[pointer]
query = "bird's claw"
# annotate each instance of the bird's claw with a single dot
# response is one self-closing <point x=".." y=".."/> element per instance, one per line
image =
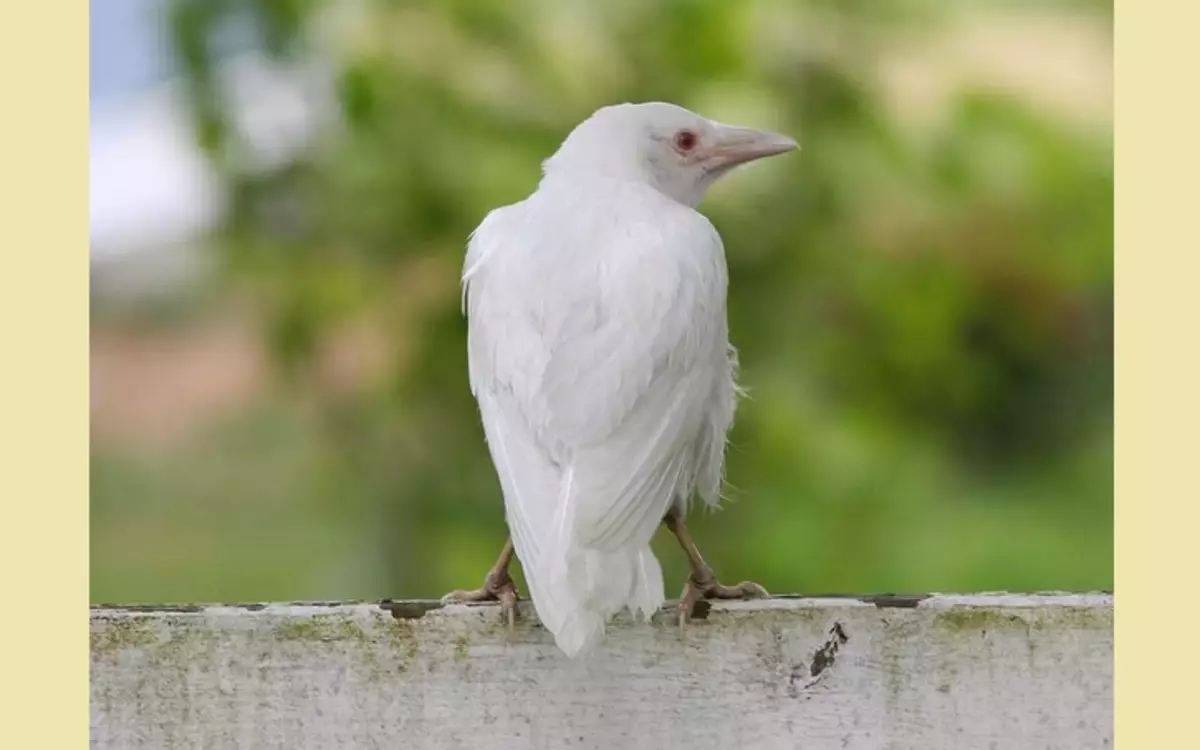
<point x="494" y="589"/>
<point x="694" y="591"/>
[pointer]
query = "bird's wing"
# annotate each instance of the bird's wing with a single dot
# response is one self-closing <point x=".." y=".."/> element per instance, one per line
<point x="630" y="395"/>
<point x="594" y="371"/>
<point x="505" y="357"/>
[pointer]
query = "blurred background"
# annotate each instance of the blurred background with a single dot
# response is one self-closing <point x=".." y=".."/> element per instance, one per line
<point x="281" y="192"/>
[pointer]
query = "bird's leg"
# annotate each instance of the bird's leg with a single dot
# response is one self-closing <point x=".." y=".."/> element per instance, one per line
<point x="702" y="583"/>
<point x="497" y="586"/>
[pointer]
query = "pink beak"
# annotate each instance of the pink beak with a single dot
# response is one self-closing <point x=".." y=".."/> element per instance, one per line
<point x="739" y="145"/>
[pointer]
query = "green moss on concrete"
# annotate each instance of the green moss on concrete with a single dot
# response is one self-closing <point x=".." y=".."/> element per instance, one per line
<point x="461" y="646"/>
<point x="321" y="628"/>
<point x="968" y="619"/>
<point x="1074" y="618"/>
<point x="497" y="627"/>
<point x="402" y="639"/>
<point x="122" y="633"/>
<point x="898" y="629"/>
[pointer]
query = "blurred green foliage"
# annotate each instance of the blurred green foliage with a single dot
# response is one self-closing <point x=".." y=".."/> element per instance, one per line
<point x="924" y="314"/>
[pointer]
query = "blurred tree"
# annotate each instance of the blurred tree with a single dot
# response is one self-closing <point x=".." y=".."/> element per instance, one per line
<point x="924" y="318"/>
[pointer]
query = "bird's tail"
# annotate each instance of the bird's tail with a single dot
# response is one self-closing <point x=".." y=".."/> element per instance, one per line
<point x="575" y="587"/>
<point x="577" y="594"/>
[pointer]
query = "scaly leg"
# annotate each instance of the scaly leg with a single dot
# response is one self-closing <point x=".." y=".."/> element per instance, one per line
<point x="702" y="583"/>
<point x="498" y="586"/>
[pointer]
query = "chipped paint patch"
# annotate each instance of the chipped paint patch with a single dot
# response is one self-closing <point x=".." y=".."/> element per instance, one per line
<point x="822" y="660"/>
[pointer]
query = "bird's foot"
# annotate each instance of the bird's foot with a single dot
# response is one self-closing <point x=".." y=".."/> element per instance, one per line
<point x="497" y="587"/>
<point x="703" y="584"/>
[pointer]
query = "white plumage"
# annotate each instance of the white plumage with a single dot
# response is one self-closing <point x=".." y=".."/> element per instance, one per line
<point x="600" y="358"/>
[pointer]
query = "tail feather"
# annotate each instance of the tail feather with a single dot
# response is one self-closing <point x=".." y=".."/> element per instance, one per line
<point x="576" y="598"/>
<point x="575" y="587"/>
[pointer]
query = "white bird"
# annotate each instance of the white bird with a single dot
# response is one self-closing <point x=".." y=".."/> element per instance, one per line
<point x="599" y="355"/>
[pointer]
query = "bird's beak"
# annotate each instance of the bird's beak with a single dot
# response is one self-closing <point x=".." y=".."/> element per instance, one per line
<point x="739" y="145"/>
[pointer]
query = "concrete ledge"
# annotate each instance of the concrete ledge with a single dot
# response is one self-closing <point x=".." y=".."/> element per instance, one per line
<point x="929" y="672"/>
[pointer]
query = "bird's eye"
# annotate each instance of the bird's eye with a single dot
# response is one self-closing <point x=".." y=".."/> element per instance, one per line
<point x="685" y="140"/>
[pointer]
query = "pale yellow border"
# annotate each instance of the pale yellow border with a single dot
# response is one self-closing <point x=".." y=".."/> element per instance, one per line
<point x="1157" y="373"/>
<point x="44" y="386"/>
<point x="43" y="375"/>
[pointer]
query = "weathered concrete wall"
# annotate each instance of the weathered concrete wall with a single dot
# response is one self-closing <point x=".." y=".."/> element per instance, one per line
<point x="943" y="672"/>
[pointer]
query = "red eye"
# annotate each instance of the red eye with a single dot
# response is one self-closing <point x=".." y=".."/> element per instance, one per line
<point x="685" y="140"/>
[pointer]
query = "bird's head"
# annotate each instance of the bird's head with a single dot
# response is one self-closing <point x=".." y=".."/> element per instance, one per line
<point x="678" y="152"/>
